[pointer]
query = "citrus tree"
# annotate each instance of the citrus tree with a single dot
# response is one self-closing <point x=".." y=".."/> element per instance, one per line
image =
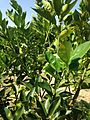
<point x="45" y="63"/>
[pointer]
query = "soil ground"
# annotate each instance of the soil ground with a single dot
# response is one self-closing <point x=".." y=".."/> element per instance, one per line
<point x="84" y="95"/>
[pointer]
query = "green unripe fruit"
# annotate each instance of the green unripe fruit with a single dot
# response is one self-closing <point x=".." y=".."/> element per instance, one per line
<point x="65" y="7"/>
<point x="47" y="5"/>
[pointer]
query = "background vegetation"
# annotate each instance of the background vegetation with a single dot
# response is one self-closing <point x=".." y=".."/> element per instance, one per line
<point x="45" y="63"/>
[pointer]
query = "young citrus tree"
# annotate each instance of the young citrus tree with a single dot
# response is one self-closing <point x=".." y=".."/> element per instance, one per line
<point x="45" y="63"/>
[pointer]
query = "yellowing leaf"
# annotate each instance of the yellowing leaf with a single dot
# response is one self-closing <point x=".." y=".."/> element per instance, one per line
<point x="66" y="32"/>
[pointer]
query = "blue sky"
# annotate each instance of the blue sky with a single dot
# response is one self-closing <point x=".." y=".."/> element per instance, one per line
<point x="26" y="5"/>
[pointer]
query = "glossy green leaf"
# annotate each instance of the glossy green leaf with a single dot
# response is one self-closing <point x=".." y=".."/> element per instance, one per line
<point x="54" y="61"/>
<point x="47" y="104"/>
<point x="45" y="85"/>
<point x="17" y="7"/>
<point x="54" y="106"/>
<point x="74" y="65"/>
<point x="67" y="8"/>
<point x="68" y="20"/>
<point x="88" y="118"/>
<point x="40" y="105"/>
<point x="10" y="15"/>
<point x="76" y="15"/>
<point x="18" y="113"/>
<point x="32" y="92"/>
<point x="8" y="113"/>
<point x="72" y="4"/>
<point x="49" y="69"/>
<point x="46" y="14"/>
<point x="23" y="19"/>
<point x="0" y="16"/>
<point x="56" y="115"/>
<point x="57" y="6"/>
<point x="28" y="85"/>
<point x="67" y="1"/>
<point x="17" y="19"/>
<point x="15" y="88"/>
<point x="2" y="92"/>
<point x="49" y="56"/>
<point x="80" y="51"/>
<point x="22" y="95"/>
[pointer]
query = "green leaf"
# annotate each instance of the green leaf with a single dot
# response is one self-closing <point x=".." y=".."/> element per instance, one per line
<point x="56" y="115"/>
<point x="57" y="6"/>
<point x="17" y="7"/>
<point x="15" y="88"/>
<point x="65" y="51"/>
<point x="68" y="20"/>
<point x="54" y="61"/>
<point x="2" y="92"/>
<point x="45" y="14"/>
<point x="48" y="68"/>
<point x="17" y="19"/>
<point x="23" y="19"/>
<point x="49" y="56"/>
<point x="32" y="92"/>
<point x="0" y="16"/>
<point x="76" y="15"/>
<point x="74" y="65"/>
<point x="88" y="118"/>
<point x="67" y="7"/>
<point x="67" y="1"/>
<point x="45" y="85"/>
<point x="54" y="106"/>
<point x="8" y="113"/>
<point x="28" y="85"/>
<point x="72" y="4"/>
<point x="22" y="95"/>
<point x="47" y="104"/>
<point x="10" y="15"/>
<point x="80" y="51"/>
<point x="65" y="33"/>
<point x="40" y="105"/>
<point x="18" y="113"/>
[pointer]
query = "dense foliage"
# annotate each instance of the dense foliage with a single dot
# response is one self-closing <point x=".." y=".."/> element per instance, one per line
<point x="44" y="63"/>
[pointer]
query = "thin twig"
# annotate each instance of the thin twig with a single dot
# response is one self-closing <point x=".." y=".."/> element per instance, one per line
<point x="79" y="86"/>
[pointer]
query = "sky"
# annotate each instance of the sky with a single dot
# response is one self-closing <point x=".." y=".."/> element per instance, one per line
<point x="27" y="6"/>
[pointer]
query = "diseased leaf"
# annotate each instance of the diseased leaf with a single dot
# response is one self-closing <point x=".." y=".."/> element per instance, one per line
<point x="65" y="51"/>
